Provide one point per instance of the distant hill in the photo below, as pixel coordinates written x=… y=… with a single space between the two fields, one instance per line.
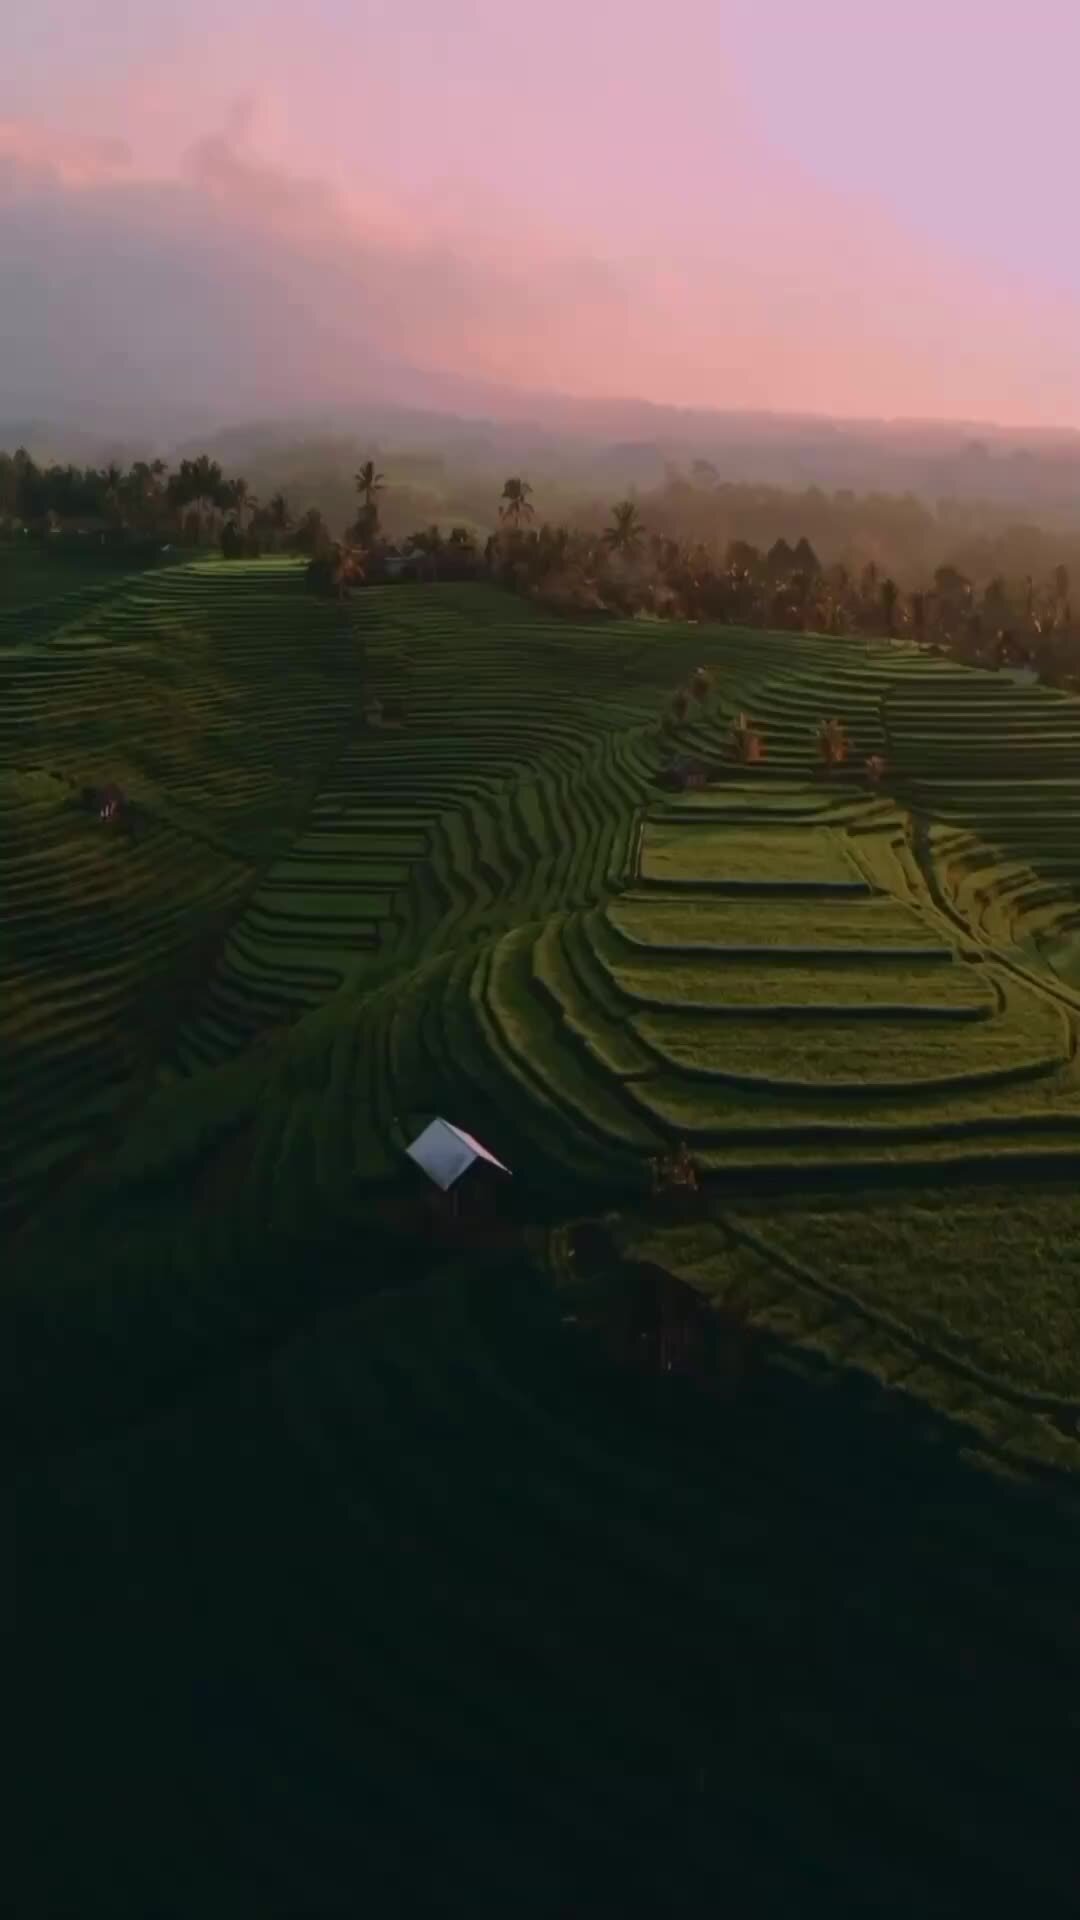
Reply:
x=609 y=444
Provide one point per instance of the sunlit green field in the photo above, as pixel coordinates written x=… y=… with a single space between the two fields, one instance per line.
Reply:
x=725 y=857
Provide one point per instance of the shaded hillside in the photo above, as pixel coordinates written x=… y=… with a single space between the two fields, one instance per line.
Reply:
x=432 y=1611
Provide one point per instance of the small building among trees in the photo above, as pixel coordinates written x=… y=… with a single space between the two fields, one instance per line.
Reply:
x=464 y=1177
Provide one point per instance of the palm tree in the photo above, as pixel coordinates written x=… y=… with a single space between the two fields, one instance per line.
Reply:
x=156 y=490
x=312 y=535
x=626 y=535
x=199 y=484
x=209 y=484
x=237 y=497
x=112 y=484
x=368 y=485
x=279 y=519
x=780 y=560
x=515 y=496
x=139 y=489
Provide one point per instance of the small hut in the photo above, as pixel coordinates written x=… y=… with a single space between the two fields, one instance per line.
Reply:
x=464 y=1176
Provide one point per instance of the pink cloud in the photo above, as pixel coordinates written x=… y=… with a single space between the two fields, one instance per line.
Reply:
x=30 y=152
x=772 y=288
x=795 y=295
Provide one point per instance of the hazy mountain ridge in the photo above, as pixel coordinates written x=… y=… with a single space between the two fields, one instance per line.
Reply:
x=576 y=443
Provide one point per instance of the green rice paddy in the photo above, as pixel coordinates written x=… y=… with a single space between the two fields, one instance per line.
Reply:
x=794 y=974
x=726 y=857
x=881 y=928
x=220 y=1030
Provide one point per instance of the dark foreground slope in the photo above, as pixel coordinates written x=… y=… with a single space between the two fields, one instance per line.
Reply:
x=431 y=1611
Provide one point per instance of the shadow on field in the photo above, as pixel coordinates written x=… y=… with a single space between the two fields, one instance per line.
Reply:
x=433 y=1610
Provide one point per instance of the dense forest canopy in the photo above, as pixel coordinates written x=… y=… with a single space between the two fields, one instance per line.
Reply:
x=968 y=576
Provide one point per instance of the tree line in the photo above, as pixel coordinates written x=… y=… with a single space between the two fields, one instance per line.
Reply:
x=627 y=570
x=195 y=505
x=624 y=568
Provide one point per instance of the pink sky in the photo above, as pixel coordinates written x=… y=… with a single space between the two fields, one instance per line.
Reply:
x=848 y=208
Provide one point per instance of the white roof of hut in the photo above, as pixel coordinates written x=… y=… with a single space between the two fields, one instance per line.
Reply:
x=445 y=1153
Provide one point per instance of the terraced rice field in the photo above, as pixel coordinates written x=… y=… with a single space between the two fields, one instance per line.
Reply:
x=489 y=910
x=93 y=923
x=34 y=578
x=964 y=1298
x=1006 y=809
x=424 y=1562
x=513 y=781
x=187 y=689
x=767 y=1025
x=811 y=861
